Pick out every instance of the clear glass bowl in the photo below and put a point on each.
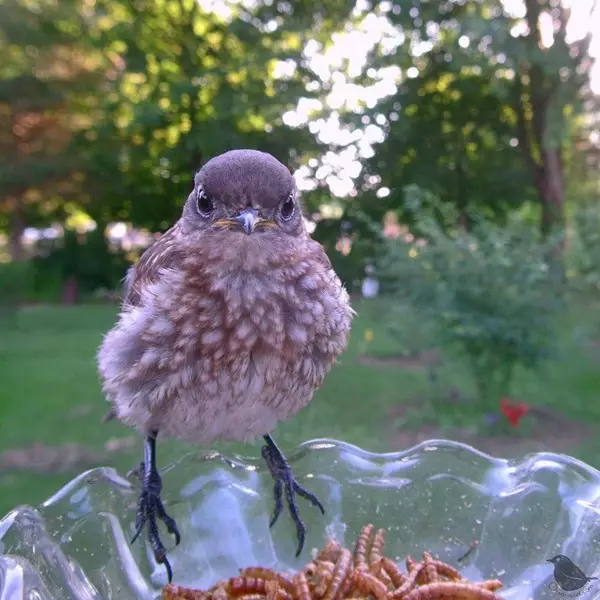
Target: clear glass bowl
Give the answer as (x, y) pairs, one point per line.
(438, 496)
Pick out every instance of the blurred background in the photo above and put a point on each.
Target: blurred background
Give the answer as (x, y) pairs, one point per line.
(447, 152)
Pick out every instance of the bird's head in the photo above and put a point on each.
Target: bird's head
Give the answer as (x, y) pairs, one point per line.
(244, 193)
(558, 559)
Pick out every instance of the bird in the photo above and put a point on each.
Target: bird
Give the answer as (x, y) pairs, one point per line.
(567, 574)
(229, 323)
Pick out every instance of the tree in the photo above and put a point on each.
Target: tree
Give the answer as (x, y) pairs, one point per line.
(476, 86)
(549, 81)
(43, 66)
(497, 310)
(186, 84)
(452, 135)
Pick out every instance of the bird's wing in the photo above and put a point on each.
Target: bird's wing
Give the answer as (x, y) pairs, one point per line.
(319, 253)
(162, 254)
(573, 572)
(127, 281)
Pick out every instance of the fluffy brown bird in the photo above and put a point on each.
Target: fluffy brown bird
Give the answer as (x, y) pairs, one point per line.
(230, 322)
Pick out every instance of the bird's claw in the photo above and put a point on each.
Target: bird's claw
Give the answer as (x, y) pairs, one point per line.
(285, 482)
(149, 508)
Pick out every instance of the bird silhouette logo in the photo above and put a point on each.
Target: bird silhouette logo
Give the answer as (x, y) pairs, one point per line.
(568, 576)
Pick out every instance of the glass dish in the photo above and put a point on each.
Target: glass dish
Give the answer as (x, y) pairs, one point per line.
(438, 496)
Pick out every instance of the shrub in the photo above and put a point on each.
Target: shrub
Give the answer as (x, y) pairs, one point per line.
(583, 252)
(488, 292)
(350, 267)
(85, 257)
(16, 285)
(16, 281)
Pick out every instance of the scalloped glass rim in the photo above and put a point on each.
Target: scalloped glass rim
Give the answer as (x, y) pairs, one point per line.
(438, 496)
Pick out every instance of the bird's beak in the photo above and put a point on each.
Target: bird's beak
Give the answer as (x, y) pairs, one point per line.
(248, 219)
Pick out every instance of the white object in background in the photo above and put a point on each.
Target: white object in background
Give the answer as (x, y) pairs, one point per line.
(370, 287)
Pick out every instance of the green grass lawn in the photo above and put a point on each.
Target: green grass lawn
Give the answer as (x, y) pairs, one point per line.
(50, 394)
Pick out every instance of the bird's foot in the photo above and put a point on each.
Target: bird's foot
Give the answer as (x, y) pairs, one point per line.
(149, 509)
(286, 483)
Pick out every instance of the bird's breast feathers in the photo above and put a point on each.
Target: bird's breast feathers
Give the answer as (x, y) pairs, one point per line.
(286, 314)
(228, 334)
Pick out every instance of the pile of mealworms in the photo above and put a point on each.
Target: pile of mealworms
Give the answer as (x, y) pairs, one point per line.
(335, 573)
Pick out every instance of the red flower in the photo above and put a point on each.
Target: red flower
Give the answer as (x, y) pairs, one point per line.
(513, 411)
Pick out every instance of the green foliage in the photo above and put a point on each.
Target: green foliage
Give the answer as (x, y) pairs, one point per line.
(188, 83)
(404, 323)
(111, 106)
(44, 72)
(452, 135)
(15, 279)
(488, 291)
(23, 282)
(16, 283)
(584, 248)
(483, 109)
(86, 257)
(350, 267)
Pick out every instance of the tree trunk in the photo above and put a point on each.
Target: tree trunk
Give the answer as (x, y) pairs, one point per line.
(551, 188)
(549, 180)
(16, 229)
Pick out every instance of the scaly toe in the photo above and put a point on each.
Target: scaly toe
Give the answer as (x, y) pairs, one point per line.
(285, 483)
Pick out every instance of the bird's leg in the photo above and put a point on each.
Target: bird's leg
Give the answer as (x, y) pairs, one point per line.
(150, 506)
(285, 482)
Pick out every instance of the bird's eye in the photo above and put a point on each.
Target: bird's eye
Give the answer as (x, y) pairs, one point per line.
(205, 203)
(287, 208)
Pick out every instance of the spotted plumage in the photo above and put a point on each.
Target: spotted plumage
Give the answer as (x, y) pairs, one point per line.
(231, 319)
